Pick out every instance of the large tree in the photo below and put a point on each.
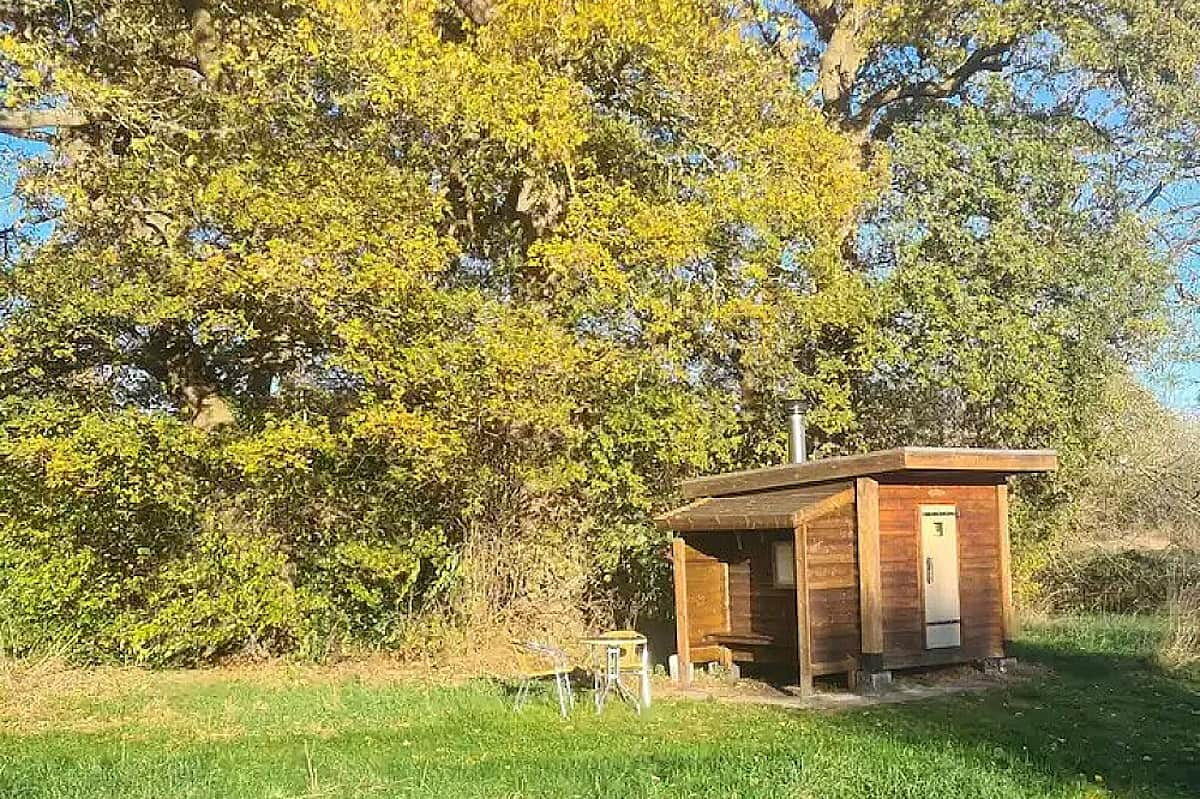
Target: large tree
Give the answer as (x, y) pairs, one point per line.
(1041, 208)
(373, 301)
(315, 309)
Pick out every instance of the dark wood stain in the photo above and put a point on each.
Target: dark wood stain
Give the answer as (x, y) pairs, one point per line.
(731, 587)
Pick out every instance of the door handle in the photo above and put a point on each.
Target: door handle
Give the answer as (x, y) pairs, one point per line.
(929, 571)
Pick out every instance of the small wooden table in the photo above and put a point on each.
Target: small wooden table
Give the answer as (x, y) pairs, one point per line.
(616, 653)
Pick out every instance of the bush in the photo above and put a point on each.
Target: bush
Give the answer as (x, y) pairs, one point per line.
(1126, 581)
(135, 537)
(1180, 648)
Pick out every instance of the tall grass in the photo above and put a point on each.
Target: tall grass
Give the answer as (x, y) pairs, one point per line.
(1180, 647)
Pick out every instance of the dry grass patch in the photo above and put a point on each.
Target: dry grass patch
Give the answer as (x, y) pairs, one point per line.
(1180, 648)
(48, 694)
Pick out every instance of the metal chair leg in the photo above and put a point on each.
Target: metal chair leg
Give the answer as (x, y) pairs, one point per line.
(563, 682)
(522, 695)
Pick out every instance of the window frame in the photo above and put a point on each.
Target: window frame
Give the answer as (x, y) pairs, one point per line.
(783, 544)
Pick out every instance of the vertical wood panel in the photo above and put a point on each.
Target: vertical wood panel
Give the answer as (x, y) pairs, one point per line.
(682, 646)
(870, 581)
(1008, 623)
(802, 643)
(834, 633)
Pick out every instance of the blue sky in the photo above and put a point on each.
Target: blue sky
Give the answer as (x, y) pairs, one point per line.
(1175, 377)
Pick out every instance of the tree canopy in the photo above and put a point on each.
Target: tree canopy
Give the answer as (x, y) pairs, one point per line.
(423, 285)
(315, 312)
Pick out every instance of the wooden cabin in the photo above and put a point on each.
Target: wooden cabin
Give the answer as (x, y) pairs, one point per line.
(859, 564)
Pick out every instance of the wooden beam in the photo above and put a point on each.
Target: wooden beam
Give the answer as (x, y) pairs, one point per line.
(837, 501)
(716, 522)
(1008, 461)
(793, 474)
(1008, 619)
(947, 459)
(803, 647)
(682, 644)
(870, 581)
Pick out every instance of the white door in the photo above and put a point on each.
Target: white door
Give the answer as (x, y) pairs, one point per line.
(939, 570)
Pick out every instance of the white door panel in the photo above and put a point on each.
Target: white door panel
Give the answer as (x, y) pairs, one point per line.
(939, 570)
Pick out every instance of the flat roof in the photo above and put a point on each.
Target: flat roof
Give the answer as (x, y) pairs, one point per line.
(901, 459)
(768, 510)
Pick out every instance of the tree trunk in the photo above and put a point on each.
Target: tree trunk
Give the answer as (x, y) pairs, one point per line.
(839, 65)
(478, 11)
(209, 409)
(206, 42)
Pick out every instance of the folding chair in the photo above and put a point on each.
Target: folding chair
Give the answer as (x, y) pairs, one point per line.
(540, 661)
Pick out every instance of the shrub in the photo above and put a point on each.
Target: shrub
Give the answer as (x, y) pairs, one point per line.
(1125, 581)
(135, 537)
(1180, 648)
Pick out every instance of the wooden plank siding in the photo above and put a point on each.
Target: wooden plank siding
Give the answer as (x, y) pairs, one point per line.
(757, 606)
(979, 564)
(833, 591)
(728, 584)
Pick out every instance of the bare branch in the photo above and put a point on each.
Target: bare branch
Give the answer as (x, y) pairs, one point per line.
(993, 58)
(27, 123)
(1152, 196)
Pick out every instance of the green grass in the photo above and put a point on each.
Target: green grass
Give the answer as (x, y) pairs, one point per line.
(1102, 721)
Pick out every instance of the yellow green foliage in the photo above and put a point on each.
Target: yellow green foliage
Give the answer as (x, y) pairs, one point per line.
(454, 284)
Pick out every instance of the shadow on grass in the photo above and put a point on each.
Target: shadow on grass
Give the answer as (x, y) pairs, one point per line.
(1110, 719)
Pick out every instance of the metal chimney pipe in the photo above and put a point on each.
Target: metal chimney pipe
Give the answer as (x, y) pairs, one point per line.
(797, 443)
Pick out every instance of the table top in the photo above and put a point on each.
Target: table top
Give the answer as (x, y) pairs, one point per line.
(614, 640)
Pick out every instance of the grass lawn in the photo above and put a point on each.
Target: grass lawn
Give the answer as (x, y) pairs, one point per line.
(1102, 722)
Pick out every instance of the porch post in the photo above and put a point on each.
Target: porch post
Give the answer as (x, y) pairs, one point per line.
(803, 649)
(682, 645)
(870, 582)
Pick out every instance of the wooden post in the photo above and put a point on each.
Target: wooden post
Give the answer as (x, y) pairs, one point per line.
(803, 650)
(682, 645)
(1008, 619)
(870, 582)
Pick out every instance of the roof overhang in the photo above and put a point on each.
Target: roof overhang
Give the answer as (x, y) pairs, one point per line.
(901, 459)
(772, 510)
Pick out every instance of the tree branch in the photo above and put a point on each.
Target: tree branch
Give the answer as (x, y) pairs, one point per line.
(27, 123)
(992, 58)
(166, 59)
(480, 12)
(822, 13)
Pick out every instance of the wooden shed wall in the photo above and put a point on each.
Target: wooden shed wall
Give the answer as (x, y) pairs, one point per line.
(978, 564)
(833, 609)
(755, 605)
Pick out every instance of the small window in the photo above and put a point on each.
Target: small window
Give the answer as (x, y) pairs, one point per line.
(783, 556)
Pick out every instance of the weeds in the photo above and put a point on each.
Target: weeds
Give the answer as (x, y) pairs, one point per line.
(1180, 648)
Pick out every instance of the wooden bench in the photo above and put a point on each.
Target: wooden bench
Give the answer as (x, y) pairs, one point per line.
(740, 639)
(748, 647)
